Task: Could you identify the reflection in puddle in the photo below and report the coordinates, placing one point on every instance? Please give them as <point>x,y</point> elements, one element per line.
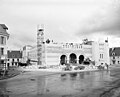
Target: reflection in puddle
<point>63,74</point>
<point>63,78</point>
<point>73,74</point>
<point>78,82</point>
<point>81,75</point>
<point>32,79</point>
<point>41,85</point>
<point>3,90</point>
<point>59,84</point>
<point>87,73</point>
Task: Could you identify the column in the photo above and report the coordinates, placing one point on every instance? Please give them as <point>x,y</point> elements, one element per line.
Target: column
<point>68,59</point>
<point>77,59</point>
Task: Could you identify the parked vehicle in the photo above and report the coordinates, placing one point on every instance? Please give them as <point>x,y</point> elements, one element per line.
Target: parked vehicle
<point>22,64</point>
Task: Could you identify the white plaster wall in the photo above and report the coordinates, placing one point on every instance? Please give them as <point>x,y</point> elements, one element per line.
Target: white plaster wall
<point>95,52</point>
<point>15,60</point>
<point>106,54</point>
<point>117,58</point>
<point>5,48</point>
<point>53,52</point>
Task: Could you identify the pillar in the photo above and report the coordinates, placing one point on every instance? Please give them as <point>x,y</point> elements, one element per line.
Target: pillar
<point>77,59</point>
<point>68,59</point>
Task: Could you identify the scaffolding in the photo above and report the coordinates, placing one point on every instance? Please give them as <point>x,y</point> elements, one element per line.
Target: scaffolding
<point>40,40</point>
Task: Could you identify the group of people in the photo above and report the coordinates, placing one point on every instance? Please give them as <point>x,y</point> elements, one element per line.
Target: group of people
<point>103,66</point>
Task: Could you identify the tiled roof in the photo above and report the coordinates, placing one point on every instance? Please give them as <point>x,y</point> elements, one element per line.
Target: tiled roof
<point>14,54</point>
<point>114,51</point>
<point>4,26</point>
<point>3,30</point>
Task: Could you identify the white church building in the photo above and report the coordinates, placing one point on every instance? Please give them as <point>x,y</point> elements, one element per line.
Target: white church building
<point>52,53</point>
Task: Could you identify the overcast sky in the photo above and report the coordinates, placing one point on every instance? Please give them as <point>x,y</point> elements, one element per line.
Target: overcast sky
<point>64,20</point>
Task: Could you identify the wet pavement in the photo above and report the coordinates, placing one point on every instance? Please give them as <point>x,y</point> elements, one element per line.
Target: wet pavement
<point>84,84</point>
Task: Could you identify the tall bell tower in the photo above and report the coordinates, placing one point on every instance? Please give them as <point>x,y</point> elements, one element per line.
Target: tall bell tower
<point>40,41</point>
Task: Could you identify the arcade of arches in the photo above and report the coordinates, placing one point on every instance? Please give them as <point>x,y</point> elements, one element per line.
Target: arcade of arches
<point>72,59</point>
<point>63,59</point>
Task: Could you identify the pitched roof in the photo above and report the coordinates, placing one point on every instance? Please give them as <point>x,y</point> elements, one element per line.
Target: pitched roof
<point>3,30</point>
<point>4,26</point>
<point>14,54</point>
<point>115,51</point>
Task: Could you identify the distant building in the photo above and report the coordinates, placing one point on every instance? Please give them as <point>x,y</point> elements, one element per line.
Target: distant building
<point>25,51</point>
<point>14,57</point>
<point>3,45</point>
<point>59,53</point>
<point>51,53</point>
<point>114,55</point>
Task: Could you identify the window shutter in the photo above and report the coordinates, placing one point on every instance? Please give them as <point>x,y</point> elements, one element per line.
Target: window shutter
<point>5,40</point>
<point>0,40</point>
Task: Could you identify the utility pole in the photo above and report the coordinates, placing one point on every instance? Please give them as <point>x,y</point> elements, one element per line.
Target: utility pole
<point>40,40</point>
<point>0,60</point>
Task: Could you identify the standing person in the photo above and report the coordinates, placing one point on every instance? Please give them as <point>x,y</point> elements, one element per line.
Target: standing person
<point>107,66</point>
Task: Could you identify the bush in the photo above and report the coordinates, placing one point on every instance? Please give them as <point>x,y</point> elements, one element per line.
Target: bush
<point>79,68</point>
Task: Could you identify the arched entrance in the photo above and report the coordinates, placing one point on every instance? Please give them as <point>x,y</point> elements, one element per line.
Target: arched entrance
<point>73,58</point>
<point>81,59</point>
<point>63,59</point>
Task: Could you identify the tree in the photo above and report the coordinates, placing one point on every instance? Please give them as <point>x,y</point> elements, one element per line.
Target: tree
<point>47,41</point>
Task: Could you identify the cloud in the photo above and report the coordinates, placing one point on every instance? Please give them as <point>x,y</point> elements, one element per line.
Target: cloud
<point>104,21</point>
<point>65,20</point>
